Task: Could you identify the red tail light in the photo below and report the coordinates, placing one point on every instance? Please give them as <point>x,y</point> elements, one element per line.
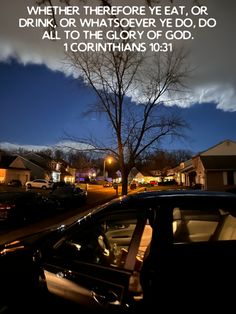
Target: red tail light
<point>5,209</point>
<point>5,206</point>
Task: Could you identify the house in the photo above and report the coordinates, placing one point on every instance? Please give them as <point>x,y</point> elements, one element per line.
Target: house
<point>216,167</point>
<point>45,167</point>
<point>185,173</point>
<point>39,167</point>
<point>216,172</point>
<point>13,167</point>
<point>67,173</point>
<point>86,175</point>
<point>144,176</point>
<point>212,169</point>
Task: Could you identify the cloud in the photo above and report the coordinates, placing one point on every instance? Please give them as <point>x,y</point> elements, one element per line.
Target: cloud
<point>13,147</point>
<point>65,146</point>
<point>212,52</point>
<point>224,95</point>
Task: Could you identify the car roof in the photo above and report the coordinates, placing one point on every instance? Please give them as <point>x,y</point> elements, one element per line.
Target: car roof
<point>198,199</point>
<point>5,196</point>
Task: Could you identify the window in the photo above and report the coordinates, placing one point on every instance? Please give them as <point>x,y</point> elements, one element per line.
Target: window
<point>229,177</point>
<point>228,230</point>
<point>2,175</point>
<point>195,225</point>
<point>107,242</point>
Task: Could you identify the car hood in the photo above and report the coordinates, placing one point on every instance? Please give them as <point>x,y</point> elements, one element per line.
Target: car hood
<point>29,242</point>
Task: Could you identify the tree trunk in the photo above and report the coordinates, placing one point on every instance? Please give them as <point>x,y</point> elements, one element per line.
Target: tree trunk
<point>124,183</point>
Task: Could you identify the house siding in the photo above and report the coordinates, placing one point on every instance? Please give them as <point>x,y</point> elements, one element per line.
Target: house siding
<point>215,168</point>
<point>215,181</point>
<point>13,168</point>
<point>23,175</point>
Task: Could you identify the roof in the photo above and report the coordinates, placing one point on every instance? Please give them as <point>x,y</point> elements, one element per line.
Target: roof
<point>144,172</point>
<point>179,193</point>
<point>187,169</point>
<point>197,199</point>
<point>7,162</point>
<point>42,165</point>
<point>222,144</point>
<point>219,162</point>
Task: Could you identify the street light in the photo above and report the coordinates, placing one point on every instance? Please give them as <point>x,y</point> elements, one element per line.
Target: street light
<point>109,160</point>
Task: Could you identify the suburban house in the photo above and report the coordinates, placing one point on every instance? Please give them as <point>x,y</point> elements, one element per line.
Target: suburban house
<point>86,174</point>
<point>144,176</point>
<point>34,165</point>
<point>212,169</point>
<point>185,173</point>
<point>67,173</point>
<point>41,167</point>
<point>45,167</point>
<point>13,167</point>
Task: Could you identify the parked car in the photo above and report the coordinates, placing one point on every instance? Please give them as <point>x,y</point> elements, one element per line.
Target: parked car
<point>133,186</point>
<point>68,196</point>
<point>24,206</point>
<point>14,182</point>
<point>153,183</point>
<point>61,184</point>
<point>39,183</point>
<point>175,249</point>
<point>107,184</point>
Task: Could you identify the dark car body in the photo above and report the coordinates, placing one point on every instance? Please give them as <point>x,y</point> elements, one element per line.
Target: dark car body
<point>68,196</point>
<point>133,186</point>
<point>60,184</point>
<point>21,206</point>
<point>107,184</point>
<point>172,250</point>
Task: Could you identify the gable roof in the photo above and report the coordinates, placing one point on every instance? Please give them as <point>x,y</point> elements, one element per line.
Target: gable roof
<point>12,162</point>
<point>226,147</point>
<point>219,162</point>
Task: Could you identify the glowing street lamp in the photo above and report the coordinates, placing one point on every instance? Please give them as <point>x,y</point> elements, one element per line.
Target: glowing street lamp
<point>109,160</point>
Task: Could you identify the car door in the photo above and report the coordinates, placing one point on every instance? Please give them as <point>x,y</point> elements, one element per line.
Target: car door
<point>97,263</point>
<point>37,183</point>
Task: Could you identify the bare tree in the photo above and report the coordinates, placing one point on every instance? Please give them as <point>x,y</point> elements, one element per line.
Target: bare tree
<point>162,159</point>
<point>136,126</point>
<point>116,76</point>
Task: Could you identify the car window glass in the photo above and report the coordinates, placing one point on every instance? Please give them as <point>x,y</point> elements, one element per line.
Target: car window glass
<point>119,235</point>
<point>107,242</point>
<point>228,230</point>
<point>195,226</point>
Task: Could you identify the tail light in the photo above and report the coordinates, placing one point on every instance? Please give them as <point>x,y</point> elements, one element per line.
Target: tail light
<point>4,209</point>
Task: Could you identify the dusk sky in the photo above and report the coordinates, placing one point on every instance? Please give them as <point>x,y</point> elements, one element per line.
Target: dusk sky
<point>40,101</point>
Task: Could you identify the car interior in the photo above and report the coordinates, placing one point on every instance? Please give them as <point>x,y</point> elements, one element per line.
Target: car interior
<point>203,225</point>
